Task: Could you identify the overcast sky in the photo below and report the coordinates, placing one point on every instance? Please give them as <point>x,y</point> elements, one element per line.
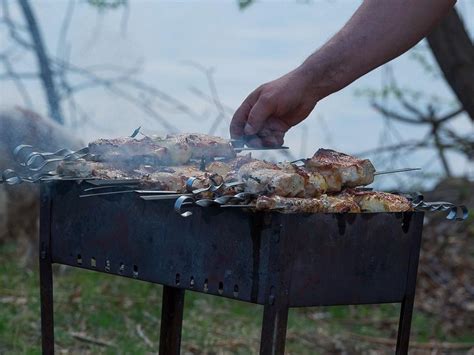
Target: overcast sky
<point>246,48</point>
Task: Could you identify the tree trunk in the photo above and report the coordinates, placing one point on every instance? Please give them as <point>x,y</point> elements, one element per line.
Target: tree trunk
<point>454,52</point>
<point>46,73</point>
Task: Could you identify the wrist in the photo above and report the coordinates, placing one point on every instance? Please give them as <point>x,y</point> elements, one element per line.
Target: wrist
<point>324,75</point>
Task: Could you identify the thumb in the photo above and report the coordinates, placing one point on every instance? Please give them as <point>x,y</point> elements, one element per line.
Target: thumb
<point>258,115</point>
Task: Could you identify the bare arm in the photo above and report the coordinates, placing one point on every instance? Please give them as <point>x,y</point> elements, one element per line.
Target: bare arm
<point>379,31</point>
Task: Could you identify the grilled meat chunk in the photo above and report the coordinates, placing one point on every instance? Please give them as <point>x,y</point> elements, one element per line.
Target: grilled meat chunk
<point>337,204</point>
<point>199,145</point>
<point>247,169</point>
<point>372,201</point>
<point>172,150</point>
<point>323,204</point>
<point>314,183</point>
<point>178,149</point>
<point>174,178</point>
<point>261,176</point>
<point>129,151</point>
<point>341,170</point>
<point>289,204</point>
<point>86,169</point>
<point>219,167</point>
<point>292,180</point>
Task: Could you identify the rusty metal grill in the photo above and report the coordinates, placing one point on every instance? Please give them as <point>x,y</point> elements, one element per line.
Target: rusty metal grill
<point>271,259</point>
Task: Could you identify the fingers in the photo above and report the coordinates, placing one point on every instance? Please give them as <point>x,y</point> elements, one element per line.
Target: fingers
<point>267,138</point>
<point>237,125</point>
<point>258,115</point>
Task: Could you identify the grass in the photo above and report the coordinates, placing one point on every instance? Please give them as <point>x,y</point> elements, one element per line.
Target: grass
<point>124,315</point>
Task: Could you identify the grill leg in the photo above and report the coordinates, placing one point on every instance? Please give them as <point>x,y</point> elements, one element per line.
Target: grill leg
<point>406,311</point>
<point>275,318</point>
<point>404,326</point>
<point>171,320</point>
<point>46,274</point>
<point>47,317</point>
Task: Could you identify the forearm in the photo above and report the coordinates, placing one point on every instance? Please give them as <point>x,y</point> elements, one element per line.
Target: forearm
<point>379,31</point>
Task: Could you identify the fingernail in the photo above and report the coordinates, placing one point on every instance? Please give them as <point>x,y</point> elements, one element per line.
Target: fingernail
<point>249,129</point>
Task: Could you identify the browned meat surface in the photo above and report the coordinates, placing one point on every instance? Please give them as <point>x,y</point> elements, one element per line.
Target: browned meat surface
<point>261,176</point>
<point>200,145</point>
<point>88,169</point>
<point>129,151</point>
<point>174,178</point>
<point>290,205</point>
<point>240,160</point>
<point>372,201</point>
<point>314,183</point>
<point>172,150</point>
<point>323,204</point>
<point>247,169</point>
<point>219,167</point>
<point>341,170</point>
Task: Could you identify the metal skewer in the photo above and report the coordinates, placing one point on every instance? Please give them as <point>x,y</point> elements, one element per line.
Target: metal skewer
<point>262,148</point>
<point>395,171</point>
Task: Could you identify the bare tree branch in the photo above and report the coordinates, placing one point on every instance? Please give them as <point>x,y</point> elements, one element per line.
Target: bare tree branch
<point>208,72</point>
<point>43,63</point>
<point>13,27</point>
<point>395,115</point>
<point>63,49</point>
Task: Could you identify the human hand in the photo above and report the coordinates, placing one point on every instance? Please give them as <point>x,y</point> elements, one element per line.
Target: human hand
<point>273,108</point>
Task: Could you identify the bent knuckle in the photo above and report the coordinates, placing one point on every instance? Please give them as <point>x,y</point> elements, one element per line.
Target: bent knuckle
<point>267,99</point>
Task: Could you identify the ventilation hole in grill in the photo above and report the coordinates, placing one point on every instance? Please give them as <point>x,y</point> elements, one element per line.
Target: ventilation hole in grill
<point>177,279</point>
<point>121,268</point>
<point>107,265</point>
<point>221,287</point>
<point>206,285</point>
<point>93,262</point>
<point>236,290</point>
<point>191,282</point>
<point>79,259</point>
<point>135,271</point>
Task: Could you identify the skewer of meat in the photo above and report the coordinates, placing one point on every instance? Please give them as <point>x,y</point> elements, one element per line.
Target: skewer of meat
<point>341,170</point>
<point>375,201</point>
<point>322,204</point>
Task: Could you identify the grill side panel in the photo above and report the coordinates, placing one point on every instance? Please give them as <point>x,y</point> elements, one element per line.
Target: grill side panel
<point>351,259</point>
<point>217,252</point>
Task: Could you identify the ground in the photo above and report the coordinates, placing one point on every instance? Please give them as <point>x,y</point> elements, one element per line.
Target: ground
<point>98,313</point>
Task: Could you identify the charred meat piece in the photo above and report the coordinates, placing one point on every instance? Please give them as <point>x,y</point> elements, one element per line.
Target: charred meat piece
<point>372,201</point>
<point>341,170</point>
<point>323,204</point>
<point>200,145</point>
